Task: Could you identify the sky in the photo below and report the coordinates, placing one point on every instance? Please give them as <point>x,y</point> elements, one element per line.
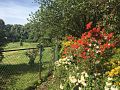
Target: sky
<point>16,11</point>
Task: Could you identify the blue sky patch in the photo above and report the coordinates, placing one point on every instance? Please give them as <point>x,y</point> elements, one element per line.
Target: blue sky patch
<point>17,11</point>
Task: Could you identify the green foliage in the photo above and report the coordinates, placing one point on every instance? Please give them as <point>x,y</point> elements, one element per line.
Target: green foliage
<point>32,56</point>
<point>2,33</point>
<point>2,38</point>
<point>59,17</point>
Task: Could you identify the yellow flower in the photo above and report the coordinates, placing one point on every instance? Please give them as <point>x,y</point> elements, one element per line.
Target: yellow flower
<point>67,43</point>
<point>117,83</point>
<point>114,72</point>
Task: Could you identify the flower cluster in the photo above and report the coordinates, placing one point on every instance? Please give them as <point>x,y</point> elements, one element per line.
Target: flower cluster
<point>83,60</point>
<point>114,72</point>
<point>64,61</point>
<point>93,43</point>
<point>109,85</point>
<point>79,80</point>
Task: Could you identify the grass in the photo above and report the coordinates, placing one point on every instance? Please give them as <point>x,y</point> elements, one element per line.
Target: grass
<point>16,45</point>
<point>16,73</point>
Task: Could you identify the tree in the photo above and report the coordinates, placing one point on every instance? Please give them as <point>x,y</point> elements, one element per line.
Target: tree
<point>61,17</point>
<point>2,38</point>
<point>8,32</point>
<point>17,31</point>
<point>2,33</point>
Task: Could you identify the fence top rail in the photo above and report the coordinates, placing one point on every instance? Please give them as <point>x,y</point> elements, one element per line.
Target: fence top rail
<point>17,49</point>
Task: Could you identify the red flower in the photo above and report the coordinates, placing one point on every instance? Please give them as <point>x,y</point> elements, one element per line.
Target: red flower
<point>98,29</point>
<point>94,29</point>
<point>89,35</point>
<point>83,55</point>
<point>75,46</point>
<point>65,51</point>
<point>88,26</point>
<point>110,36</point>
<point>70,37</point>
<point>84,35</point>
<point>80,42</point>
<point>107,45</point>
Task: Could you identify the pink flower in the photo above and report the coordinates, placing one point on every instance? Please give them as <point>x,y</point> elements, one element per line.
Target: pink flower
<point>88,26</point>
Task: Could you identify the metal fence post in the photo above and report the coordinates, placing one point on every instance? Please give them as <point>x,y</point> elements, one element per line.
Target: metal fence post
<point>56,51</point>
<point>40,61</point>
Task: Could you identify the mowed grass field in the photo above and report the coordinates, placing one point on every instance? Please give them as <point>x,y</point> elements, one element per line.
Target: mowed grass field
<point>16,73</point>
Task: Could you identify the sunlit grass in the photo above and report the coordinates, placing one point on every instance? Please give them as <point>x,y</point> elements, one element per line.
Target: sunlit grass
<point>16,72</point>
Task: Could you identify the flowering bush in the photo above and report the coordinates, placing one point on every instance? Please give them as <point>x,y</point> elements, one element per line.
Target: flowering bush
<point>83,60</point>
<point>114,68</point>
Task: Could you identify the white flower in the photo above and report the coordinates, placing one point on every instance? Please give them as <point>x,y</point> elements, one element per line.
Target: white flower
<point>109,79</point>
<point>113,88</point>
<point>84,73</point>
<point>77,68</point>
<point>82,78</point>
<point>94,44</point>
<point>97,62</point>
<point>66,68</point>
<point>90,45</point>
<point>79,81</point>
<point>57,63</point>
<point>107,88</point>
<point>83,83</point>
<point>69,63</point>
<point>105,37</point>
<point>108,83</point>
<point>88,50</point>
<point>95,74</point>
<point>97,51</point>
<point>72,79</point>
<point>61,86</point>
<point>97,47</point>
<point>70,57</point>
<point>80,88</point>
<point>109,44</point>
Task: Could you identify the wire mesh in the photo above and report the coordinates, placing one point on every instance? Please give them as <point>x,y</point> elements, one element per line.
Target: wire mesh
<point>16,71</point>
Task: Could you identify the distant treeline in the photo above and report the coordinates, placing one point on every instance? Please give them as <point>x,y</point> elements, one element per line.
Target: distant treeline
<point>14,33</point>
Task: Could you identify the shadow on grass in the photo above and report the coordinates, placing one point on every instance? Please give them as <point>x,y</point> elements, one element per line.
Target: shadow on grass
<point>8,71</point>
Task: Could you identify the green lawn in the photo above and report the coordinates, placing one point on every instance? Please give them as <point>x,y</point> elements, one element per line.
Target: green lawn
<point>16,45</point>
<point>16,73</point>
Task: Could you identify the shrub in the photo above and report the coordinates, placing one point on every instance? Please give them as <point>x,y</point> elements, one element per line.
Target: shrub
<point>83,60</point>
<point>32,53</point>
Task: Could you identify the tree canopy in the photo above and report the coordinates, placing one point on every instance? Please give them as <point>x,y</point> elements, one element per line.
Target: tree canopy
<point>2,33</point>
<point>56,18</point>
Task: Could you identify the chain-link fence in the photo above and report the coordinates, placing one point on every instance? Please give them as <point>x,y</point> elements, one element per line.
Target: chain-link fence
<point>20,69</point>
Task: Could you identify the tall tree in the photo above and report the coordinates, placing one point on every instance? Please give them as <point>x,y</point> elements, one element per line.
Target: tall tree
<point>17,31</point>
<point>8,32</point>
<point>2,38</point>
<point>60,17</point>
<point>2,33</point>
